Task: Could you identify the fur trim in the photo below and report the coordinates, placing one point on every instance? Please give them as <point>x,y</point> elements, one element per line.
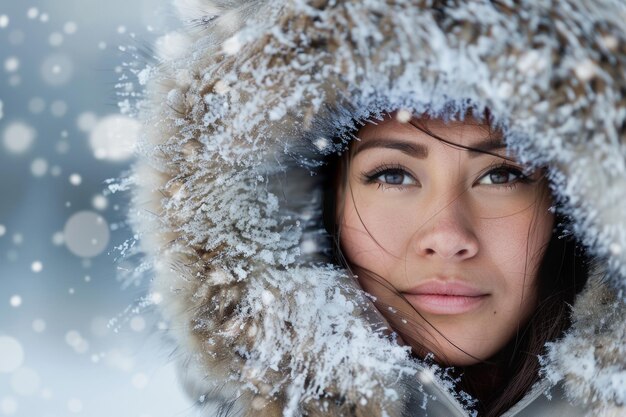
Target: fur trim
<point>591,358</point>
<point>253,95</point>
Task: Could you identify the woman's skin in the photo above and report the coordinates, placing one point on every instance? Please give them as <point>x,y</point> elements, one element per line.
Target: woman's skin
<point>459,234</point>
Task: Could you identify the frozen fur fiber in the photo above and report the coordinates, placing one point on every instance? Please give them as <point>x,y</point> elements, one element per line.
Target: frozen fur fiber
<point>250,97</point>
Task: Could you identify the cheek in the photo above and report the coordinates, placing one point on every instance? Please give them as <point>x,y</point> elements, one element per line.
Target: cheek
<point>505,243</point>
<point>520,238</point>
<point>371,235</point>
<point>515,245</point>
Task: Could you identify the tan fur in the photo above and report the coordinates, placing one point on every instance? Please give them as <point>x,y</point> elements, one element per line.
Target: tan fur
<point>184,156</point>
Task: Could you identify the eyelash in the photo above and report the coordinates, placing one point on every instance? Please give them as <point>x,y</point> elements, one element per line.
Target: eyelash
<point>372,176</point>
<point>521,178</point>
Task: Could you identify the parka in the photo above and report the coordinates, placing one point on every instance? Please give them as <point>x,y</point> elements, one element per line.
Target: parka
<point>246,103</point>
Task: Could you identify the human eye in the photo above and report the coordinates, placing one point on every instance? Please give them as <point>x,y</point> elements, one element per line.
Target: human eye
<point>504,176</point>
<point>389,176</point>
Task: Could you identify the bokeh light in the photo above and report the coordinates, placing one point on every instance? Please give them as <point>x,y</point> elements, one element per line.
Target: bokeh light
<point>18,239</point>
<point>138,324</point>
<point>57,69</point>
<point>99,202</point>
<point>75,179</point>
<point>58,108</point>
<point>36,105</point>
<point>55,171</point>
<point>25,381</point>
<point>86,234</point>
<point>8,406</point>
<point>60,68</point>
<point>74,339</point>
<point>39,325</point>
<point>74,405</point>
<point>62,146</point>
<point>86,121</point>
<point>11,354</point>
<point>16,37</point>
<point>39,167</point>
<point>15,80</point>
<point>32,13</point>
<point>70,28</point>
<point>36,266</point>
<point>55,39</point>
<point>18,137</point>
<point>11,64</point>
<point>58,239</point>
<point>15,301</point>
<point>113,138</point>
<point>100,326</point>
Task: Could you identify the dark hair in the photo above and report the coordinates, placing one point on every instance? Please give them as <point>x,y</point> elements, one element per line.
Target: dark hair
<point>562,273</point>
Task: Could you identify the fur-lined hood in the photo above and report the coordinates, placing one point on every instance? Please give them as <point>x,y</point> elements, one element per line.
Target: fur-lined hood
<point>250,98</point>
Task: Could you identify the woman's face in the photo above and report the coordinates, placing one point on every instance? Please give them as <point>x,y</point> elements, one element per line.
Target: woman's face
<point>458,234</point>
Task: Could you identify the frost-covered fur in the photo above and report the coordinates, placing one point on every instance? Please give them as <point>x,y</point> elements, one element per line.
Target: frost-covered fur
<point>250,97</point>
<point>591,358</point>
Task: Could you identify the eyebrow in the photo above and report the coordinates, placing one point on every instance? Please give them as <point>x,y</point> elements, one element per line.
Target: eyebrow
<point>486,146</point>
<point>420,151</point>
<point>416,150</point>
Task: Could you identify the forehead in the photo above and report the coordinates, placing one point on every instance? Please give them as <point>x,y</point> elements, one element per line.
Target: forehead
<point>466,132</point>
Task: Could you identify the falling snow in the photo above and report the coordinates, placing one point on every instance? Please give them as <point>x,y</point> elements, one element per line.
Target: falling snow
<point>86,234</point>
<point>61,139</point>
<point>36,266</point>
<point>8,406</point>
<point>55,39</point>
<point>36,105</point>
<point>75,179</point>
<point>11,64</point>
<point>70,28</point>
<point>57,272</point>
<point>113,137</point>
<point>32,13</point>
<point>86,121</point>
<point>237,108</point>
<point>18,137</point>
<point>99,202</point>
<point>25,381</point>
<point>58,108</point>
<point>39,325</point>
<point>11,354</point>
<point>57,69</point>
<point>39,167</point>
<point>15,301</point>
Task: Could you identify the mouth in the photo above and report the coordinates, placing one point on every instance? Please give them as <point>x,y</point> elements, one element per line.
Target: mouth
<point>445,298</point>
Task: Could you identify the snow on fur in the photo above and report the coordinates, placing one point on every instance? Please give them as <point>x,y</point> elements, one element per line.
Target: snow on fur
<point>250,96</point>
<point>590,357</point>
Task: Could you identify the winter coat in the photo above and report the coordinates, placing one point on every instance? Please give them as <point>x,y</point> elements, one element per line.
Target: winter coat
<point>251,97</point>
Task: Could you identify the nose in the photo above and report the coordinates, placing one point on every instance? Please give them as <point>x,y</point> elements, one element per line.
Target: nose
<point>448,235</point>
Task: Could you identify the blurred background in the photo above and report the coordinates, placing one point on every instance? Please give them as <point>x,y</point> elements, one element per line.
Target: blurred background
<point>75,339</point>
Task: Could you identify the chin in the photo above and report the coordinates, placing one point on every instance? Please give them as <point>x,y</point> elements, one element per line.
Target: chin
<point>455,353</point>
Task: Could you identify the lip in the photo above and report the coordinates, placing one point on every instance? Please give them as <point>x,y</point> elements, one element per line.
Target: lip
<point>445,297</point>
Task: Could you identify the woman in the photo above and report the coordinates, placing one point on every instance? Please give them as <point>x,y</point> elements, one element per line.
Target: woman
<point>448,233</point>
<point>454,238</point>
